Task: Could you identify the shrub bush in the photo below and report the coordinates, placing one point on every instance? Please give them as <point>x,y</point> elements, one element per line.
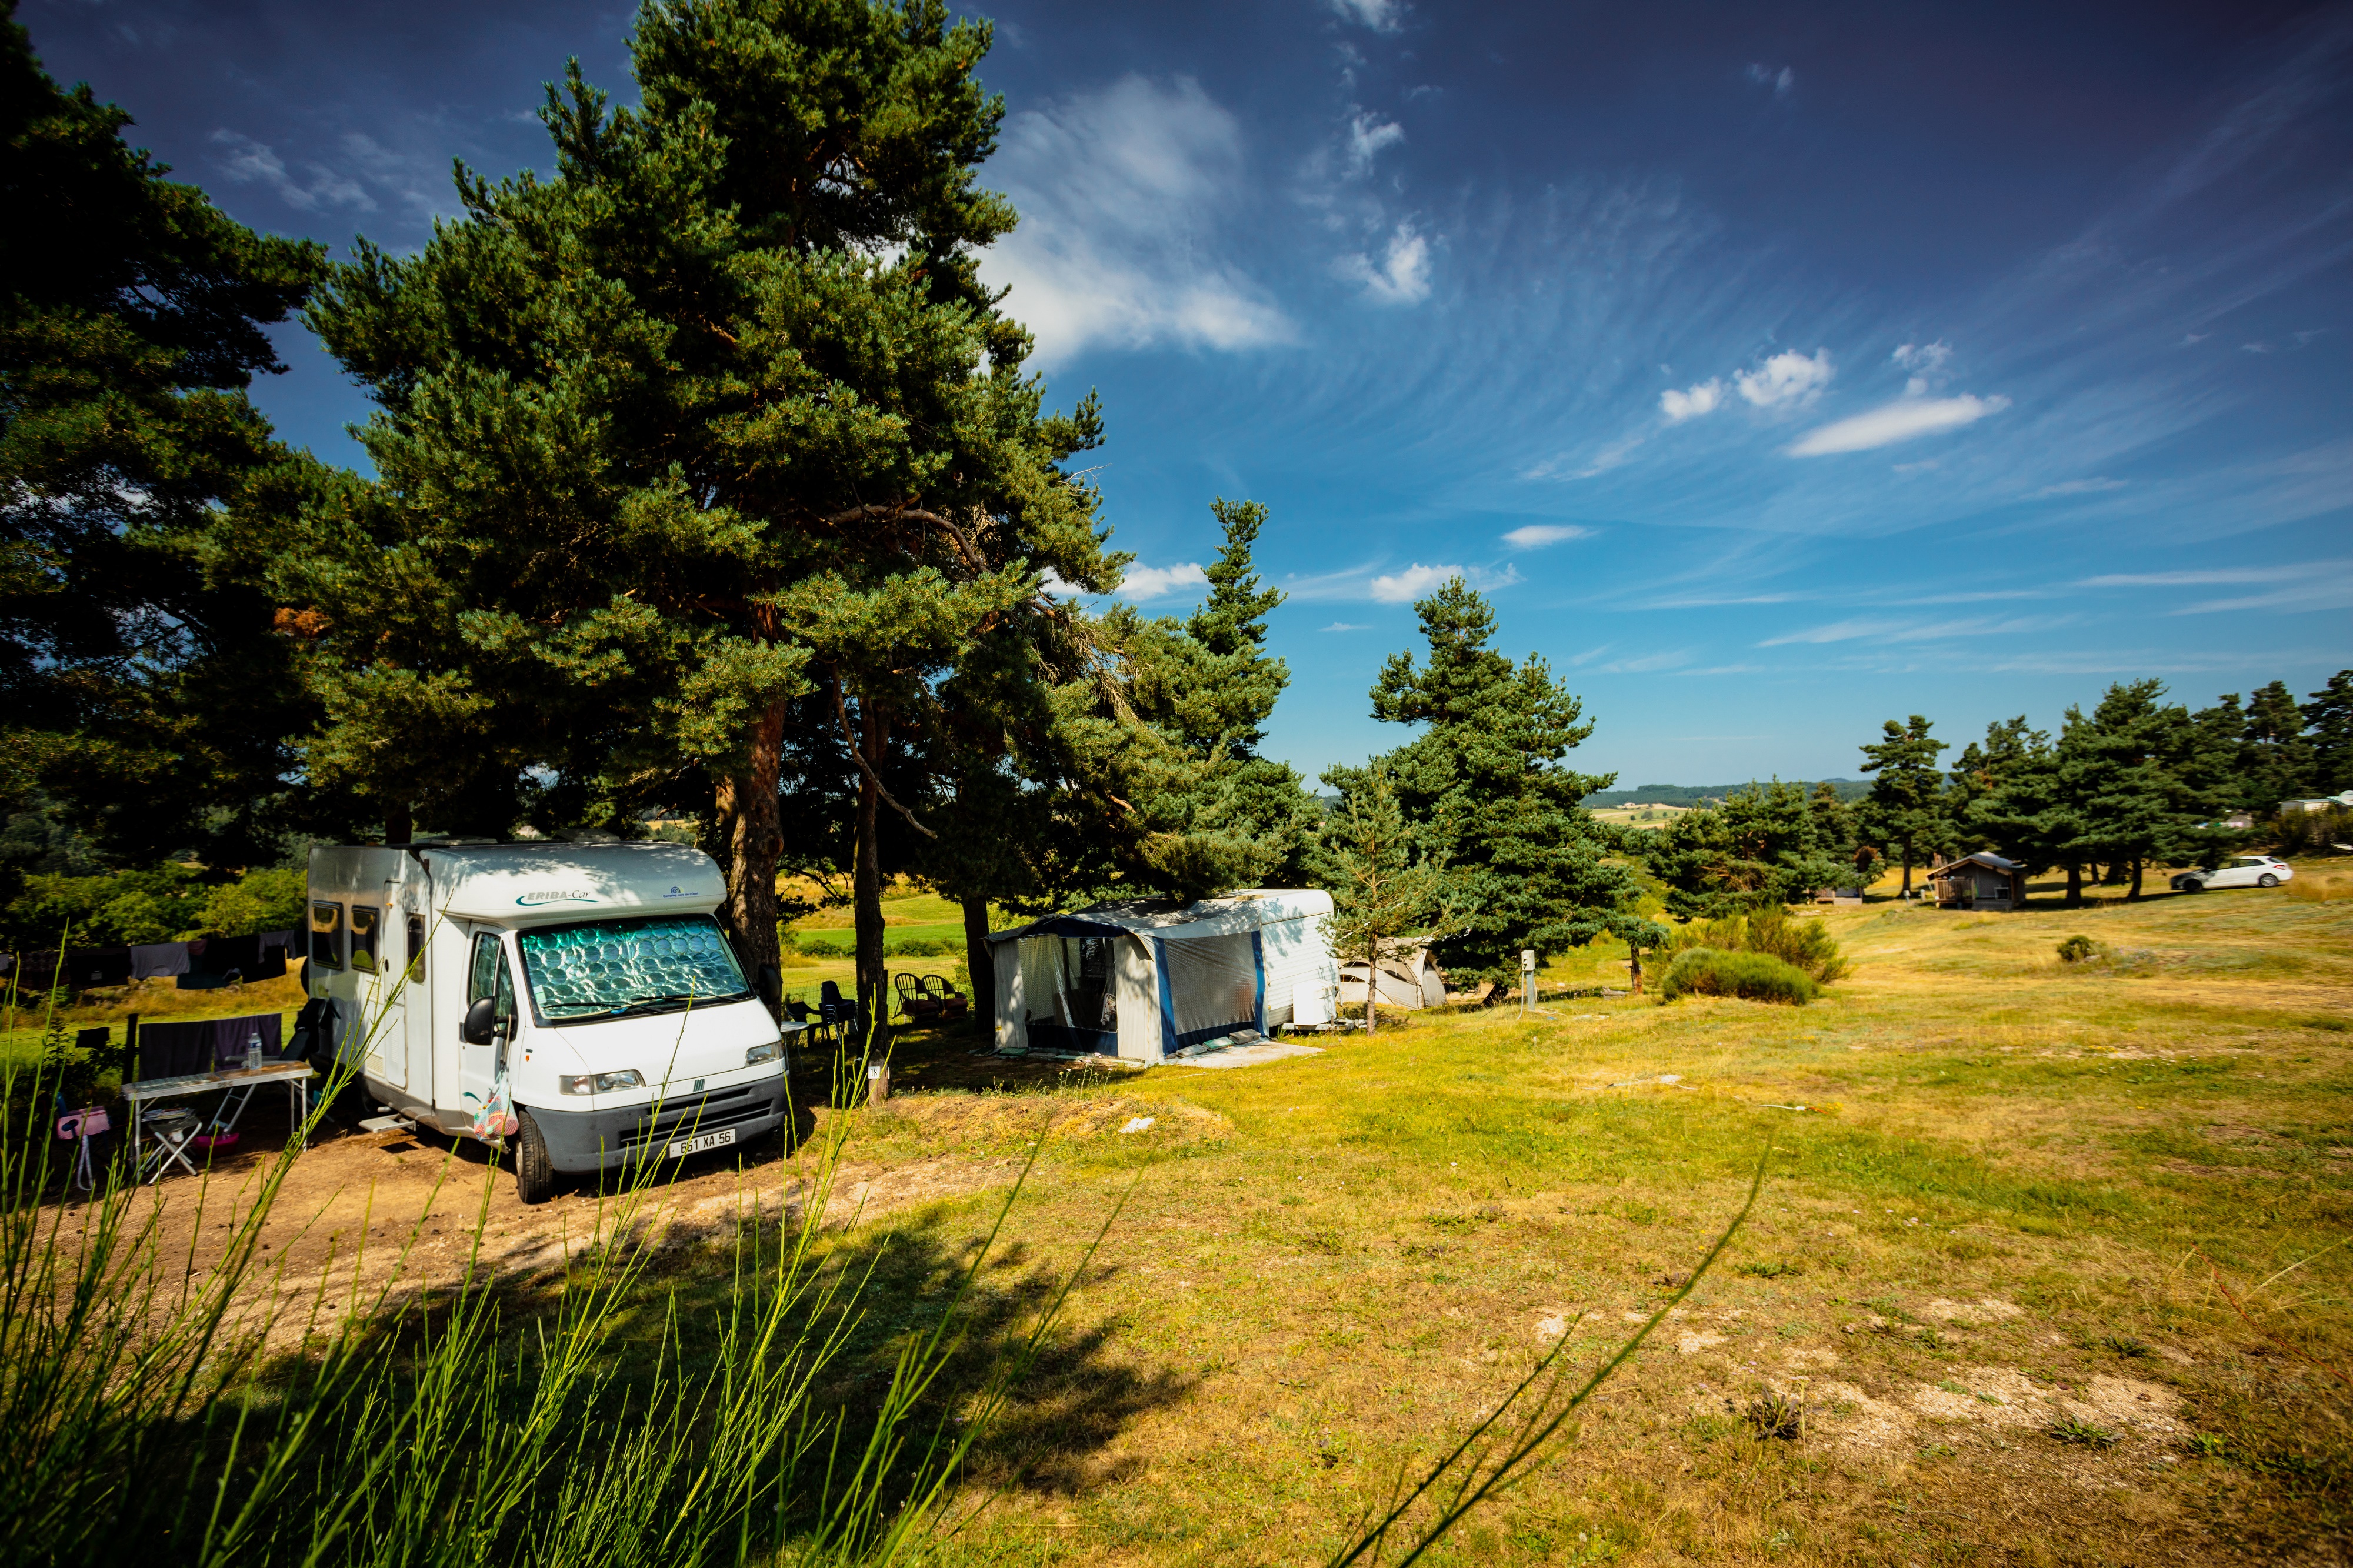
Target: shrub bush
<point>1756,977</point>
<point>2079,949</point>
<point>1805,944</point>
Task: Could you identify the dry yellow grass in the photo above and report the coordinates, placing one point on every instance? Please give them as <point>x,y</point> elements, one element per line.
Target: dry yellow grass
<point>2015,1196</point>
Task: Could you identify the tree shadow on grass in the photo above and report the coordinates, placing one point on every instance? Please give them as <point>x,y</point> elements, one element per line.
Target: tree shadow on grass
<point>1059,1418</point>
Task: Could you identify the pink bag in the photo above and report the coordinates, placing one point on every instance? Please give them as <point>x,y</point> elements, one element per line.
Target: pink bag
<point>89,1121</point>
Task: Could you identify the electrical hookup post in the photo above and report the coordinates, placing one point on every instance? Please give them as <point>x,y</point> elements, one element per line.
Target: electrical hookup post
<point>1527,981</point>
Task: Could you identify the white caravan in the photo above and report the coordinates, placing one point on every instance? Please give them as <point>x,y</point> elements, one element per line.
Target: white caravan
<point>578,998</point>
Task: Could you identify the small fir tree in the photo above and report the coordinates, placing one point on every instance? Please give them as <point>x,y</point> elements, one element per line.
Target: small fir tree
<point>1390,884</point>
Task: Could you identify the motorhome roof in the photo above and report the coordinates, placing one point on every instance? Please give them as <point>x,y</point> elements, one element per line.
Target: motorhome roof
<point>540,883</point>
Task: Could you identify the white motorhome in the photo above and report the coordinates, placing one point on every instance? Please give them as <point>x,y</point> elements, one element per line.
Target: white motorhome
<point>579,999</point>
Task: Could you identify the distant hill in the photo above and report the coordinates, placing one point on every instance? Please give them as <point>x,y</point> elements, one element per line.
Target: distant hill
<point>1697,795</point>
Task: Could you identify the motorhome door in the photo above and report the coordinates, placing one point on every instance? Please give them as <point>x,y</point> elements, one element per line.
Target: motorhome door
<point>382,996</point>
<point>487,974</point>
<point>413,932</point>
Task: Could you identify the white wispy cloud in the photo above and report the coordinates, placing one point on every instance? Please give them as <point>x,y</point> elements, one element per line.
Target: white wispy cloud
<point>2208,576</point>
<point>1366,137</point>
<point>1402,274</point>
<point>1346,626</point>
<point>2079,488</point>
<point>1925,361</point>
<point>1902,420</point>
<point>1780,82</point>
<point>1418,580</point>
<point>1789,379</point>
<point>2299,586</point>
<point>1903,629</point>
<point>1537,535</point>
<point>245,160</point>
<point>1143,585</point>
<point>1689,403</point>
<point>1122,194</point>
<point>1380,16</point>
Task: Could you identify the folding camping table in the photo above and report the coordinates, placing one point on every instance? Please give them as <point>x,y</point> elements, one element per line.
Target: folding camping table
<point>295,1074</point>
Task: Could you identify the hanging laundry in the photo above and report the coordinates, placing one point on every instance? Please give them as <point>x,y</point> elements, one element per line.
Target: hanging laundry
<point>89,967</point>
<point>156,959</point>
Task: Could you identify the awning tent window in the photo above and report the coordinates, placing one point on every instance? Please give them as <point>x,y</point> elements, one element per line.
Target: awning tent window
<point>1210,987</point>
<point>1069,993</point>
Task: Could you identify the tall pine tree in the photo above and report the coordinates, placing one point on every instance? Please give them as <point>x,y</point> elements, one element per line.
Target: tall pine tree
<point>139,683</point>
<point>1486,782</point>
<point>716,420</point>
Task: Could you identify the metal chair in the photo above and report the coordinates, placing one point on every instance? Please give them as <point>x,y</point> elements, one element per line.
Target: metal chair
<point>954,1003</point>
<point>173,1129</point>
<point>915,1004</point>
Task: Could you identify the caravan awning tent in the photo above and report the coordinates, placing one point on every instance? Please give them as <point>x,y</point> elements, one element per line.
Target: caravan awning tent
<point>1145,978</point>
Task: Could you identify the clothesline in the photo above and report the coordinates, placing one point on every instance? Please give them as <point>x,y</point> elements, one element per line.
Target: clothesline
<point>200,964</point>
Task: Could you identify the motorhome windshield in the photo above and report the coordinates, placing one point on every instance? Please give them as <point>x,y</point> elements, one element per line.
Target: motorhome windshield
<point>610,969</point>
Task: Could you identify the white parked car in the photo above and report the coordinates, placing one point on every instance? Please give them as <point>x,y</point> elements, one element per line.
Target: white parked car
<point>2244,871</point>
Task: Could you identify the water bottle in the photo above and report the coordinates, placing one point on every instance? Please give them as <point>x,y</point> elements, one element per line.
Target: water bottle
<point>253,1052</point>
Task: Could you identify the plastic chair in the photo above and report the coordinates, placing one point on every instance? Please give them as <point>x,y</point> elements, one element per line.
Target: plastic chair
<point>845,1011</point>
<point>915,1004</point>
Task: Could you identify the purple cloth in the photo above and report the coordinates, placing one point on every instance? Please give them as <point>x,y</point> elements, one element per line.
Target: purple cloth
<point>180,1050</point>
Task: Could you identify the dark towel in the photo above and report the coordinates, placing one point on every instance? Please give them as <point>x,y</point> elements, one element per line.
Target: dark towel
<point>292,941</point>
<point>230,1035</point>
<point>159,958</point>
<point>269,965</point>
<point>225,955</point>
<point>174,1051</point>
<point>97,966</point>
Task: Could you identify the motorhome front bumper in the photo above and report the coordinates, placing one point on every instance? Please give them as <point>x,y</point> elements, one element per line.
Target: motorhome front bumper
<point>600,1140</point>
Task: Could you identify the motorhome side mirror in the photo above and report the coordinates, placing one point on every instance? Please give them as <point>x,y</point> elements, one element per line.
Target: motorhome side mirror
<point>481,1023</point>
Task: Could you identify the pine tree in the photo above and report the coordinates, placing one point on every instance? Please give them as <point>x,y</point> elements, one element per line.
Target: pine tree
<point>2277,762</point>
<point>1765,846</point>
<point>1216,811</point>
<point>713,432</point>
<point>1906,806</point>
<point>2329,719</point>
<point>2129,773</point>
<point>1486,781</point>
<point>141,684</point>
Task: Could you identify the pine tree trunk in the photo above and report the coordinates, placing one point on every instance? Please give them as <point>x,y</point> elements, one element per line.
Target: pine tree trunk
<point>398,826</point>
<point>1634,966</point>
<point>2134,897</point>
<point>1907,873</point>
<point>1372,988</point>
<point>873,979</point>
<point>982,964</point>
<point>2074,885</point>
<point>747,808</point>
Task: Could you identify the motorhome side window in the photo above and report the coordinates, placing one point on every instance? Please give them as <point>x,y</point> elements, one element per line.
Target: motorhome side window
<point>326,936</point>
<point>488,975</point>
<point>364,929</point>
<point>417,949</point>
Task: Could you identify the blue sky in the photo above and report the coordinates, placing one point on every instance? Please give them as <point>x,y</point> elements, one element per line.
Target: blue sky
<point>1777,370</point>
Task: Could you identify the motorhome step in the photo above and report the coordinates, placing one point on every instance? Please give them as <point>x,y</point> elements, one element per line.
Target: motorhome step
<point>388,1124</point>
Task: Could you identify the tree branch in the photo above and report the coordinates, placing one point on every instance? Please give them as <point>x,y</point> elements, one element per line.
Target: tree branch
<point>841,713</point>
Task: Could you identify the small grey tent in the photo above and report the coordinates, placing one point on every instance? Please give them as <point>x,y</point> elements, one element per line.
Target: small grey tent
<point>1142,979</point>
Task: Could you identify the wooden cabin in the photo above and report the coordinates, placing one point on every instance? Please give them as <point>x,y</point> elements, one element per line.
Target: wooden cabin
<point>1981,881</point>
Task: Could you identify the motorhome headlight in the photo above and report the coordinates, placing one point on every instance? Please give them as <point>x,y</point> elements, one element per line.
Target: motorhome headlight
<point>766,1053</point>
<point>600,1082</point>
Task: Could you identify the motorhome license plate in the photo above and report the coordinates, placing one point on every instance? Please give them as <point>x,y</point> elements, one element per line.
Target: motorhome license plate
<point>719,1139</point>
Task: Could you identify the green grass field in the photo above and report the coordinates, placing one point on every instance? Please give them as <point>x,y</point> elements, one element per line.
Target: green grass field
<point>2006,1194</point>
